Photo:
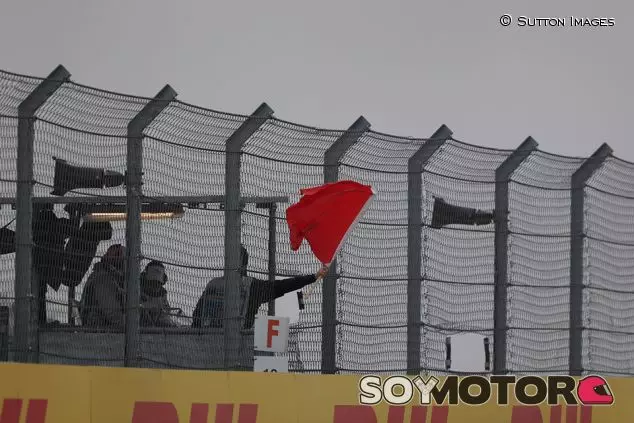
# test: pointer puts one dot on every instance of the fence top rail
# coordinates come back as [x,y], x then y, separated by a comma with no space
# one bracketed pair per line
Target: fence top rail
[20,75]
[184,330]
[621,161]
[123,200]
[5,74]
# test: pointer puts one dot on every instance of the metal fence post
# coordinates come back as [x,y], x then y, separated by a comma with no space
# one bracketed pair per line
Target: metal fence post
[25,285]
[272,251]
[577,185]
[415,167]
[502,178]
[233,232]
[332,157]
[134,182]
[272,246]
[4,333]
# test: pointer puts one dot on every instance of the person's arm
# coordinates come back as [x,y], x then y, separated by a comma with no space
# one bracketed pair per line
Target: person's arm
[165,318]
[265,291]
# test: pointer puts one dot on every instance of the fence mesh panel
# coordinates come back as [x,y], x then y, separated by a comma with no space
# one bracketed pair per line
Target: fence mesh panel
[8,156]
[184,156]
[609,262]
[539,264]
[372,292]
[279,160]
[14,89]
[457,292]
[87,128]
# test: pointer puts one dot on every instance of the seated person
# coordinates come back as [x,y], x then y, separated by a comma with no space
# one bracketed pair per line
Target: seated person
[103,298]
[155,309]
[253,293]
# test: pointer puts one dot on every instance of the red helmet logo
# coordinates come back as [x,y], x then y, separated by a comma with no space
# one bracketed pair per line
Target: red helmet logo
[594,390]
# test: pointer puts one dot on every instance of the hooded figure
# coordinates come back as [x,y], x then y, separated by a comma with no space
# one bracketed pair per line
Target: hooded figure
[253,292]
[103,298]
[154,305]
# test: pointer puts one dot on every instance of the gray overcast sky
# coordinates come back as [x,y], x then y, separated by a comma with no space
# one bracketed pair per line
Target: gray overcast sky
[407,66]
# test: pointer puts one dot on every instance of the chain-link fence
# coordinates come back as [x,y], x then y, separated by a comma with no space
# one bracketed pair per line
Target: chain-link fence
[122,218]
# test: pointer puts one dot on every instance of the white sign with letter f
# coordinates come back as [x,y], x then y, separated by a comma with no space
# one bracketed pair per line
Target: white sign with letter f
[271,334]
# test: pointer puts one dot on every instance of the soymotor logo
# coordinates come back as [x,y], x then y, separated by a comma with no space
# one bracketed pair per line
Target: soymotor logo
[477,390]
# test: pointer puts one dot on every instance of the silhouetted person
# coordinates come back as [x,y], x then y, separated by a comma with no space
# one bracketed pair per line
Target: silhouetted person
[103,298]
[57,262]
[155,309]
[49,238]
[7,240]
[253,293]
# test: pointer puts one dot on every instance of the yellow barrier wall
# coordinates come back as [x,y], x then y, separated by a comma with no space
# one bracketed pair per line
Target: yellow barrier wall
[66,394]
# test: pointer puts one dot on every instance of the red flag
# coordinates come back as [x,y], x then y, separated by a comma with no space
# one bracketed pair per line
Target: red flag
[325,215]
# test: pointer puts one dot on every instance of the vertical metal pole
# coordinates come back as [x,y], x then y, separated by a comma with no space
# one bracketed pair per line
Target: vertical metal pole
[134,176]
[578,183]
[4,333]
[487,355]
[272,250]
[75,219]
[332,157]
[26,286]
[502,178]
[72,295]
[415,167]
[233,232]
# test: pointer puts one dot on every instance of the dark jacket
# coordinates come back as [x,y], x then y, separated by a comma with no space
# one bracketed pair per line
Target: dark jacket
[254,292]
[103,298]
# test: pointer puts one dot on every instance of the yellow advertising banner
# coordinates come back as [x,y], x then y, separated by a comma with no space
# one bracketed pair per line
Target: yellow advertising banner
[68,394]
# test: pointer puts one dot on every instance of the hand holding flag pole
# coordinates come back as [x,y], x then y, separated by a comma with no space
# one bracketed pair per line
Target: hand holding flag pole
[319,275]
[322,272]
[324,216]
